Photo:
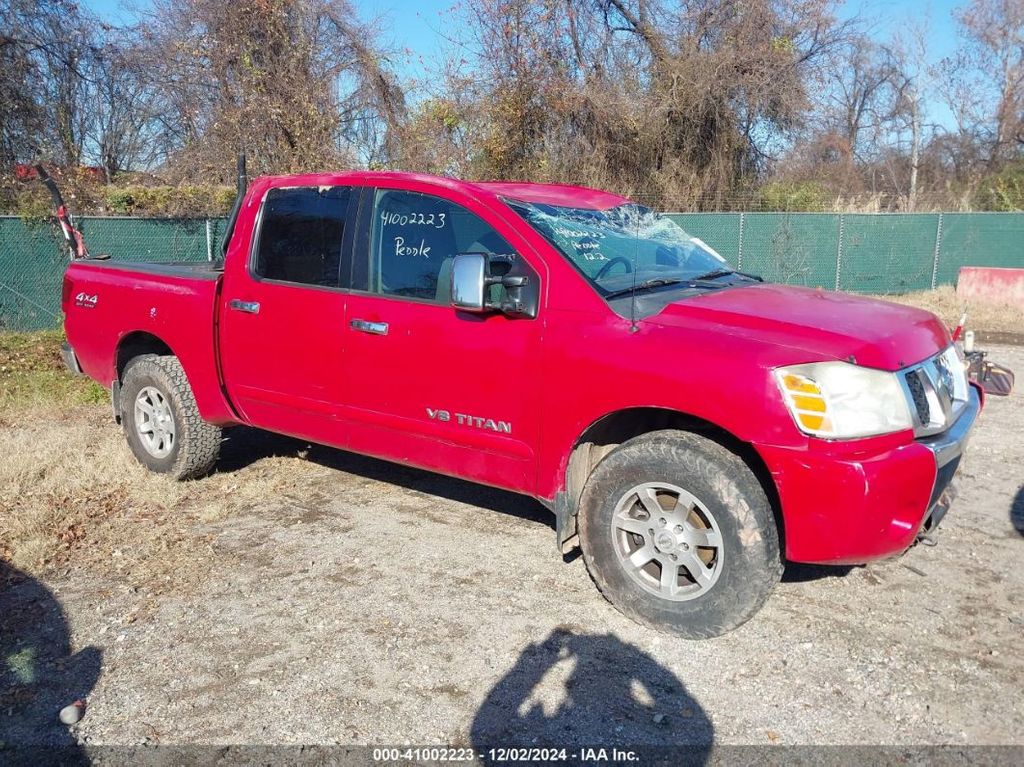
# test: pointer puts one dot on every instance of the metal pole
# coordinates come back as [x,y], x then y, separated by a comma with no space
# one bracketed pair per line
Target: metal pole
[839,252]
[209,242]
[739,247]
[938,246]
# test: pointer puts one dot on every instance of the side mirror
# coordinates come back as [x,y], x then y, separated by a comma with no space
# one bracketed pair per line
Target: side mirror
[473,274]
[469,282]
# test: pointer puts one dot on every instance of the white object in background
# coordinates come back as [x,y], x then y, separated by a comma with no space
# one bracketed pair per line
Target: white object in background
[969,341]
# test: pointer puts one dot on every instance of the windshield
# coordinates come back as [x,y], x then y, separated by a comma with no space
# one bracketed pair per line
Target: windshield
[607,245]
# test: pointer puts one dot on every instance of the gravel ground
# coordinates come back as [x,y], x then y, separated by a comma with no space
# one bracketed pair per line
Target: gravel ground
[385,605]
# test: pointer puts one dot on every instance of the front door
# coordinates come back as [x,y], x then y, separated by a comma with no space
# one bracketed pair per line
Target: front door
[429,385]
[283,315]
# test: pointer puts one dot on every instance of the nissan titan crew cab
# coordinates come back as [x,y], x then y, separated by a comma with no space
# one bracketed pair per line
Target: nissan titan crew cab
[690,426]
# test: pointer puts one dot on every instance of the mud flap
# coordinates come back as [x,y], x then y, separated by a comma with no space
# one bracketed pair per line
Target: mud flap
[115,400]
[566,534]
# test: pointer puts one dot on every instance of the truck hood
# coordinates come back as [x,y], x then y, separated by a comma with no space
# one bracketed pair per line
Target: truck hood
[820,324]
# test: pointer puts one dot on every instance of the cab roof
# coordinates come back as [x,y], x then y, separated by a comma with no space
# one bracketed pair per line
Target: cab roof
[544,194]
[553,194]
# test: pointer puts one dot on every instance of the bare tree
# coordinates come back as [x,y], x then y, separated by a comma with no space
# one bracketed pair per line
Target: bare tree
[121,132]
[911,81]
[986,77]
[287,81]
[669,100]
[856,100]
[688,103]
[21,108]
[46,49]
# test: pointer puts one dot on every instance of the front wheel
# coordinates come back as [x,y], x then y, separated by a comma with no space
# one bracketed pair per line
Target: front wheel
[679,535]
[161,421]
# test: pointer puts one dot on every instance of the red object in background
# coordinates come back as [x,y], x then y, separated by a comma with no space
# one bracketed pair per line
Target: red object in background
[998,285]
[73,238]
[295,365]
[23,172]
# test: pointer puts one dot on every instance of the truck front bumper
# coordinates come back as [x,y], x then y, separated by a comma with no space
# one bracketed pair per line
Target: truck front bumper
[873,503]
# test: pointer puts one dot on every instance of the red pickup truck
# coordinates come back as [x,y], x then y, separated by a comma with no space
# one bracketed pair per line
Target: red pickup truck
[690,426]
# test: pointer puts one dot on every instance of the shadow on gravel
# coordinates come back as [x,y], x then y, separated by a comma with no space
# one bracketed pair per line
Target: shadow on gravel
[613,694]
[243,446]
[796,572]
[38,674]
[1017,511]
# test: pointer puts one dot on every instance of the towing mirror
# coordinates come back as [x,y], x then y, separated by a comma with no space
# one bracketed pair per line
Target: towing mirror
[469,282]
[473,275]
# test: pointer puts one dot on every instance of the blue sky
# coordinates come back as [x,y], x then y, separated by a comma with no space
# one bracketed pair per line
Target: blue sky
[417,29]
[894,14]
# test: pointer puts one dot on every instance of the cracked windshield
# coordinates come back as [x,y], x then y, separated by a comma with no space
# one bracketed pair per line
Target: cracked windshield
[606,246]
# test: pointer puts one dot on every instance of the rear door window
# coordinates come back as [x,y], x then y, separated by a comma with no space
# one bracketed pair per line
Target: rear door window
[301,235]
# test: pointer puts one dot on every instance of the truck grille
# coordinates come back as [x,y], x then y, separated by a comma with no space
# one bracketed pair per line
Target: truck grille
[937,390]
[920,399]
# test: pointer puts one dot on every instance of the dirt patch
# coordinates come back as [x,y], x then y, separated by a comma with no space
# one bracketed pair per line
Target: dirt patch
[1000,338]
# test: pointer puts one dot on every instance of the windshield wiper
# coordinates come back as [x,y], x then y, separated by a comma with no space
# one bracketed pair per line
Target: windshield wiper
[715,274]
[712,275]
[700,281]
[657,282]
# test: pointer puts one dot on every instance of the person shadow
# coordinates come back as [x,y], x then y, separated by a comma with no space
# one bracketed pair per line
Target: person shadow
[578,690]
[1017,511]
[39,675]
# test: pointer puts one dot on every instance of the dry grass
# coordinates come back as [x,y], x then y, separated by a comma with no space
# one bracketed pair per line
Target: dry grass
[981,316]
[32,374]
[64,478]
[70,489]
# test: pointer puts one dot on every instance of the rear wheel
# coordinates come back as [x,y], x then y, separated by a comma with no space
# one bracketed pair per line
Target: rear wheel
[161,421]
[679,535]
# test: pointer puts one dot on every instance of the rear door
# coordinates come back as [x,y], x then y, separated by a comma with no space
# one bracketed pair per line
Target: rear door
[282,314]
[429,385]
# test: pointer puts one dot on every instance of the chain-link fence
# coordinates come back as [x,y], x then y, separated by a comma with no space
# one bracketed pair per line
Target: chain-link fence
[33,257]
[866,253]
[883,253]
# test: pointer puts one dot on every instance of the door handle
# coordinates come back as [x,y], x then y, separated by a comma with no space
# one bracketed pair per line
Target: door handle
[363,326]
[250,307]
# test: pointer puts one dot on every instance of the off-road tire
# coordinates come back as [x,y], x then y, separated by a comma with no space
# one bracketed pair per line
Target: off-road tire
[196,442]
[751,564]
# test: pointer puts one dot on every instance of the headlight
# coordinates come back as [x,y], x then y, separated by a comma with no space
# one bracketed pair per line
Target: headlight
[838,400]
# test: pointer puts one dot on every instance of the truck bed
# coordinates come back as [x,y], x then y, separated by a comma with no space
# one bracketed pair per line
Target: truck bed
[109,306]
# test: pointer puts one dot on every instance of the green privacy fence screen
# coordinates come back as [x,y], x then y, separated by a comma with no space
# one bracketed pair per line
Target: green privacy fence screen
[859,252]
[33,257]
